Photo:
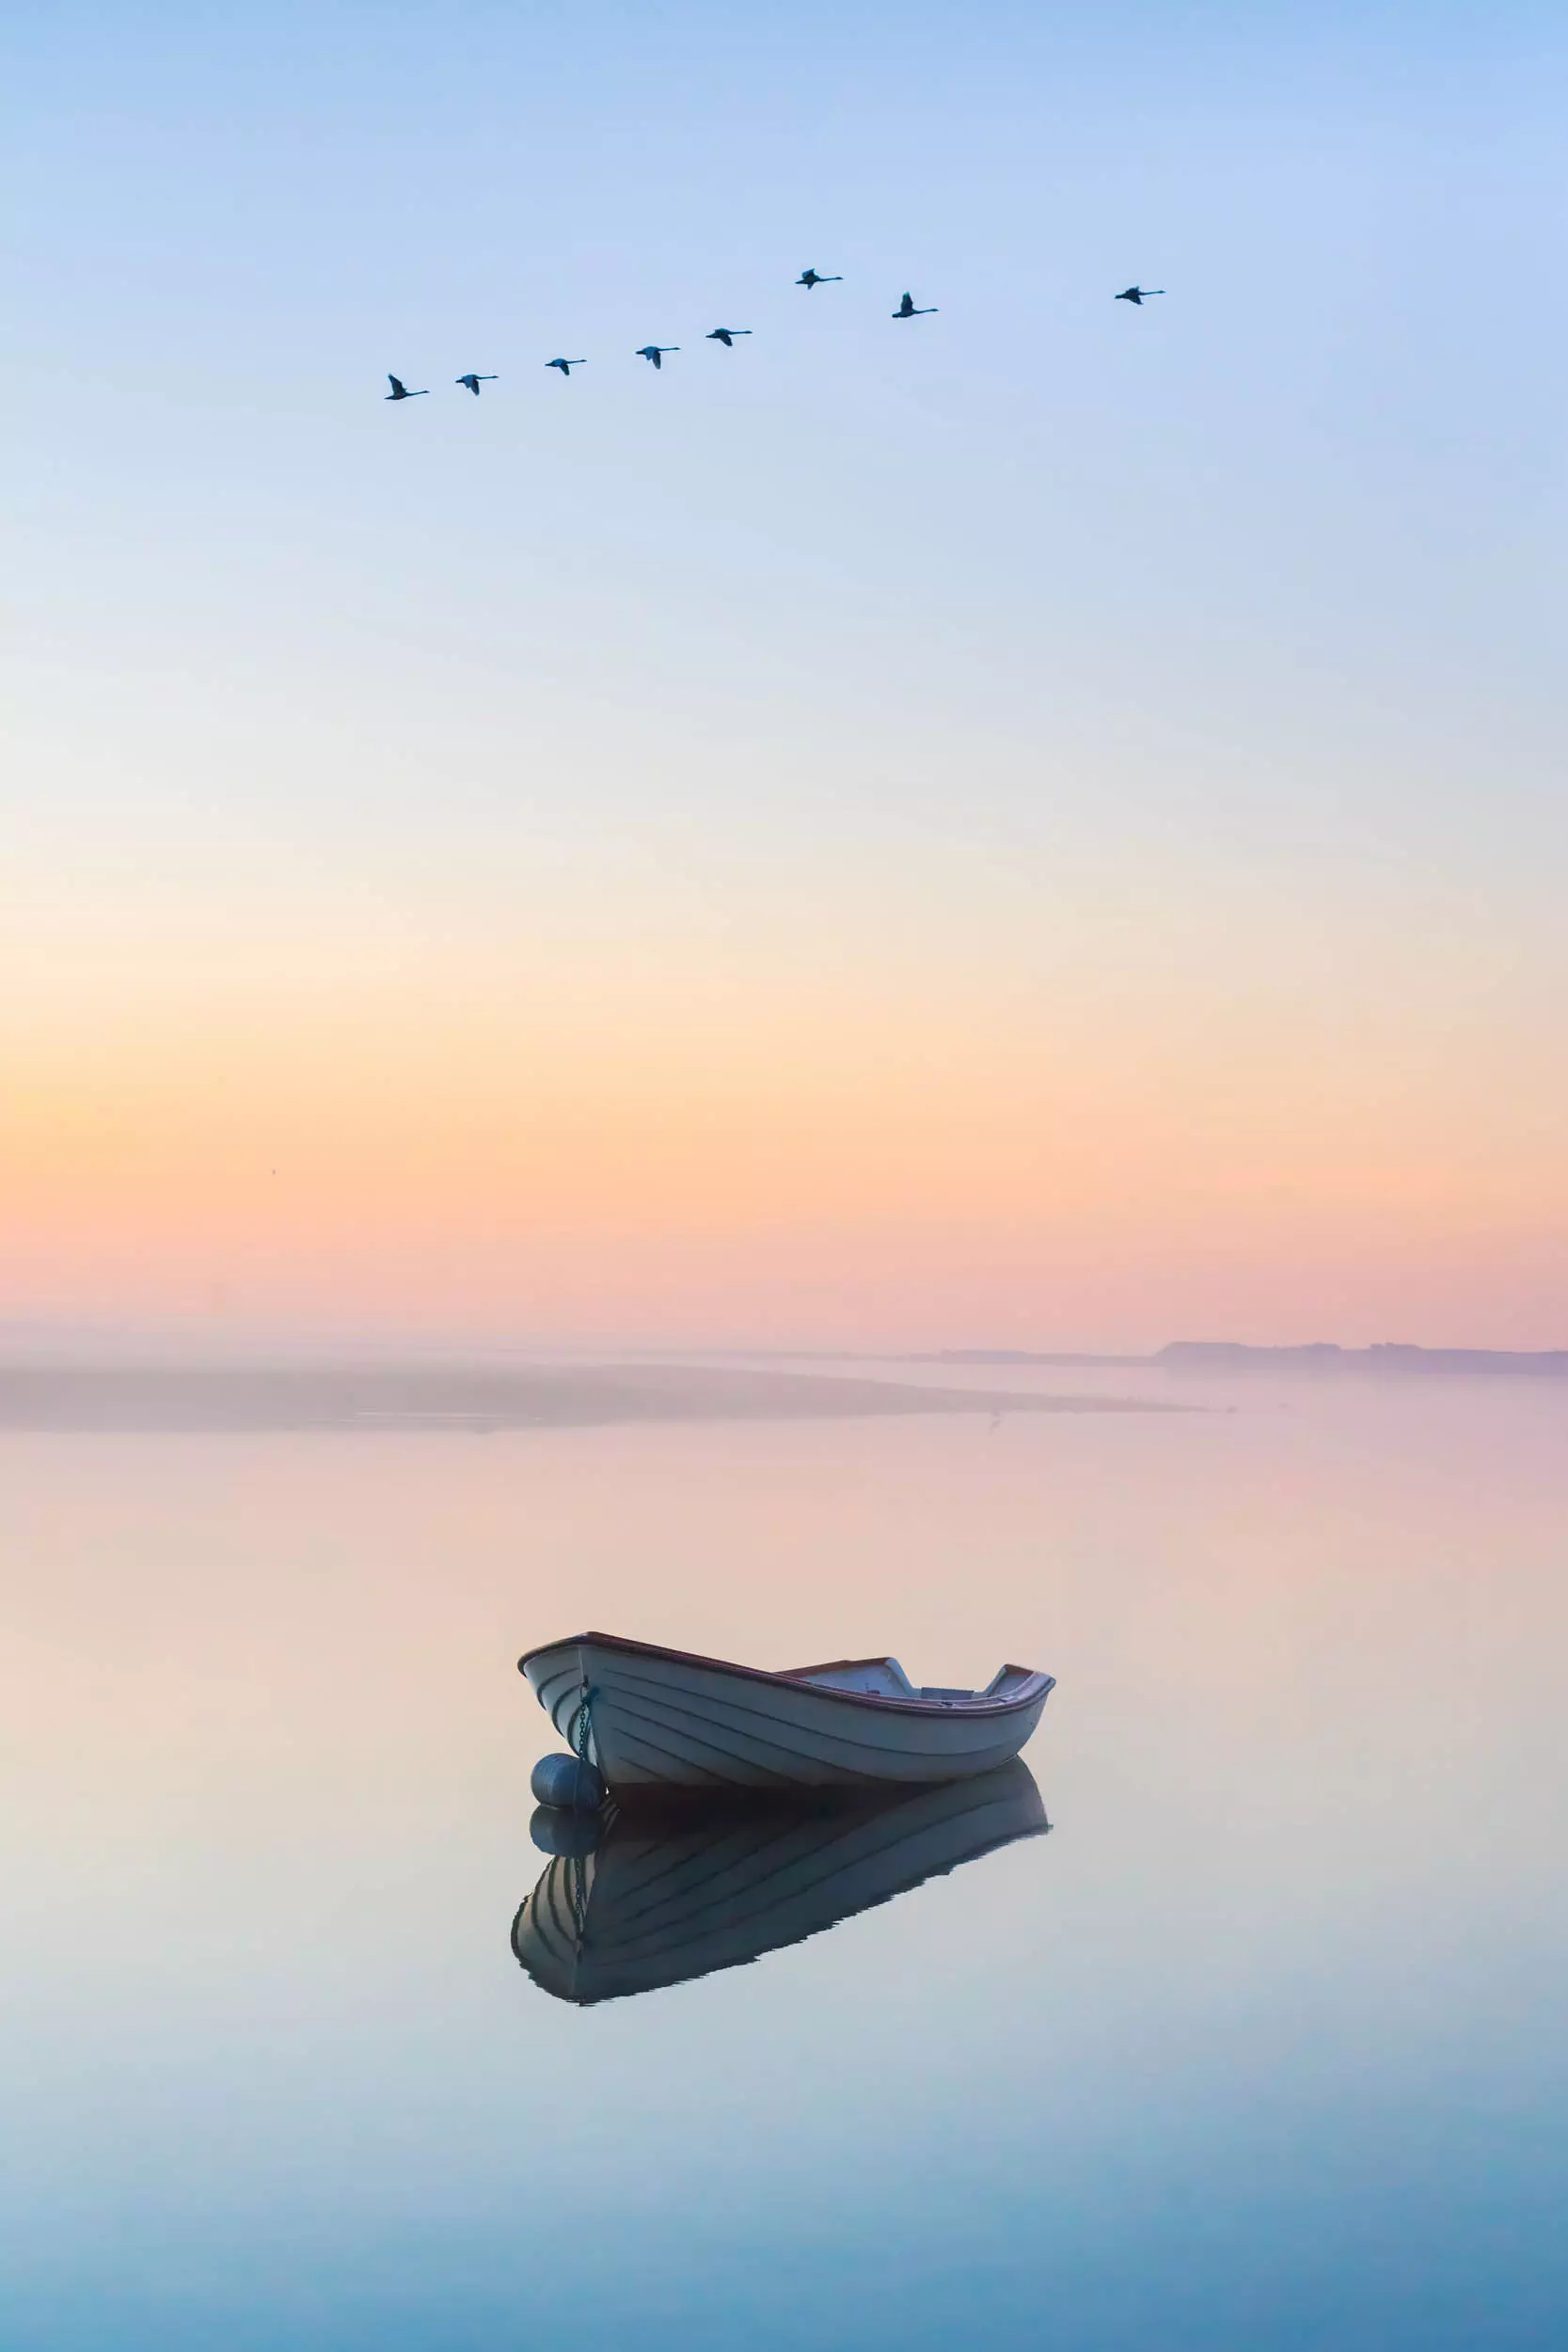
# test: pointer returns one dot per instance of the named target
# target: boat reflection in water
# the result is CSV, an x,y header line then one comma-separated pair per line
x,y
639,1899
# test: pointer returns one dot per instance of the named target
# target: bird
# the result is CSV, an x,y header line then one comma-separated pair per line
x,y
907,310
656,352
725,335
565,365
401,391
1138,293
472,383
810,278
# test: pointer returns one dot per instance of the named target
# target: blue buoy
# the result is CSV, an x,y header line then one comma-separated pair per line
x,y
568,1783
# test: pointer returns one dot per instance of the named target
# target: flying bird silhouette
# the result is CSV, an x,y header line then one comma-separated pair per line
x,y
907,310
656,352
726,336
1138,293
401,391
472,383
810,278
565,365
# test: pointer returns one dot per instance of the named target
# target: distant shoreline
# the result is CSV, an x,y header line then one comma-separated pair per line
x,y
131,1399
1387,1357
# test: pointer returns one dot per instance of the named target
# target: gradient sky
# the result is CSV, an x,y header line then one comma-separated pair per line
x,y
1045,825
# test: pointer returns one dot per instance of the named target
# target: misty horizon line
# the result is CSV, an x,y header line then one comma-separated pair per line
x,y
194,1340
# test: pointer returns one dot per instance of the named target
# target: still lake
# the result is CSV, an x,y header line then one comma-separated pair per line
x,y
1263,2045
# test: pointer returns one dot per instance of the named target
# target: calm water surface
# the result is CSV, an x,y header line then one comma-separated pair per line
x,y
1263,2045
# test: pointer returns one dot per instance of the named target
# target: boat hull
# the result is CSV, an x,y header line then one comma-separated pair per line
x,y
664,1718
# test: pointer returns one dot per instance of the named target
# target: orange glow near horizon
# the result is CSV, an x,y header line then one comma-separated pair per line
x,y
783,1158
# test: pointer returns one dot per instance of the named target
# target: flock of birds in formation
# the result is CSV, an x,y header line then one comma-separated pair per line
x,y
657,352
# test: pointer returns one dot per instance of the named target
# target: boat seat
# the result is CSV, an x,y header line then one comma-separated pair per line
x,y
880,1678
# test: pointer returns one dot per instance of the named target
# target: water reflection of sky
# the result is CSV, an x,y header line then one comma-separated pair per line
x,y
1263,2046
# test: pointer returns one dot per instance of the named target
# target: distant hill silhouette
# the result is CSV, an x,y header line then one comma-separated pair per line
x,y
1388,1357
388,1396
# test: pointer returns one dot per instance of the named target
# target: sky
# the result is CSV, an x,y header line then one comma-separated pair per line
x,y
1044,826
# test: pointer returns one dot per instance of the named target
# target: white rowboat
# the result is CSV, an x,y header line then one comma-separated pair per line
x,y
653,1719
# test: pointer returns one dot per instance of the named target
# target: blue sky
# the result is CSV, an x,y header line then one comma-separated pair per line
x,y
1210,647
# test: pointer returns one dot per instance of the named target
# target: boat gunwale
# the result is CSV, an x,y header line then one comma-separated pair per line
x,y
1038,1686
